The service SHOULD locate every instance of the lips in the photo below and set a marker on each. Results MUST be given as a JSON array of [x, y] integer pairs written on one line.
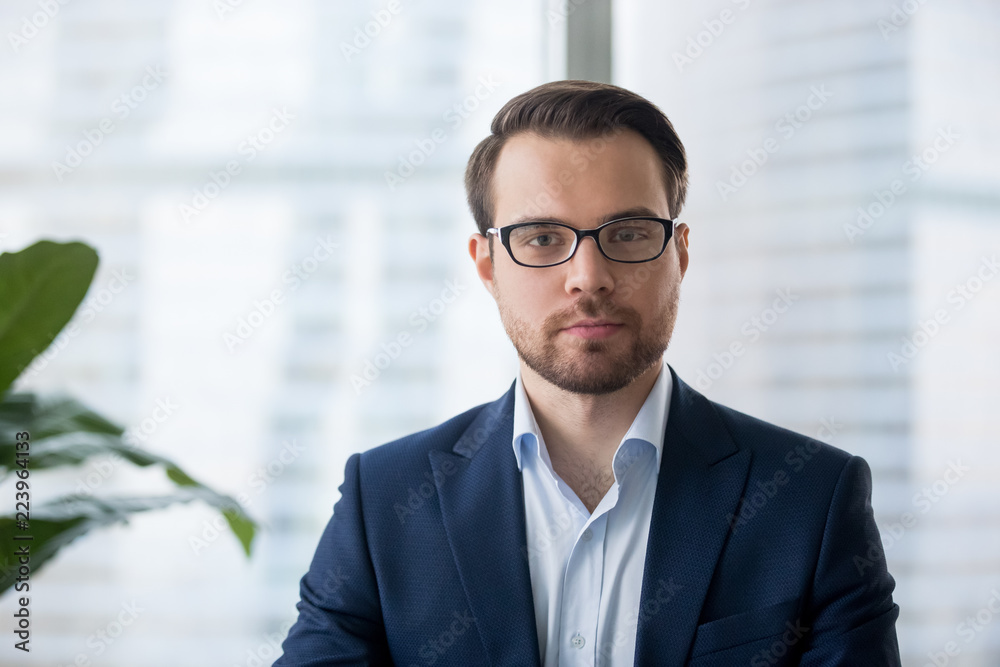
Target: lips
[[593, 328], [593, 323]]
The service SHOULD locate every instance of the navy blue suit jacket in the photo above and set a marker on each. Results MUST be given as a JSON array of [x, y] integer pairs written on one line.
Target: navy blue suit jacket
[[763, 550]]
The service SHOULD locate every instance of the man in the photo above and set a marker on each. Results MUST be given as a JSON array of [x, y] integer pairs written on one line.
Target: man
[[601, 512]]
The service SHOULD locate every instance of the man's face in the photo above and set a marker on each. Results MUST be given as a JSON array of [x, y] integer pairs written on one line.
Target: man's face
[[589, 325]]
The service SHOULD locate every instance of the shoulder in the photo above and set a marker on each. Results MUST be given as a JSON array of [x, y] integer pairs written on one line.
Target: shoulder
[[795, 473], [777, 455], [705, 423], [769, 441], [407, 456]]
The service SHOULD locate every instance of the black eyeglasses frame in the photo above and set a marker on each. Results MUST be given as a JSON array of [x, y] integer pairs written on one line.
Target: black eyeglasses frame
[[503, 233]]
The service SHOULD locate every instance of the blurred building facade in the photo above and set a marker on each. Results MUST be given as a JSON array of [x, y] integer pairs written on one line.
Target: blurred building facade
[[275, 190], [844, 211]]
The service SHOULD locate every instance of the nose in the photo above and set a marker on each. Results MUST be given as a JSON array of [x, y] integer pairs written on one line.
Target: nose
[[588, 270]]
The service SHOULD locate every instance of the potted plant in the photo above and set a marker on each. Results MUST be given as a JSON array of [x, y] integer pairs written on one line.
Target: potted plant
[[40, 290]]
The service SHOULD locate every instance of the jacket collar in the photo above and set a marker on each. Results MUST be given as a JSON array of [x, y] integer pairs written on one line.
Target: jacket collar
[[702, 475], [647, 426]]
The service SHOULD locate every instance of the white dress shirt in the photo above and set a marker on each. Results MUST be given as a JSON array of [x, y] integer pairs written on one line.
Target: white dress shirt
[[586, 569]]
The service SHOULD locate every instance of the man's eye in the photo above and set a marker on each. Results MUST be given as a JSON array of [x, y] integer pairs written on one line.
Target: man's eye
[[629, 235], [544, 240]]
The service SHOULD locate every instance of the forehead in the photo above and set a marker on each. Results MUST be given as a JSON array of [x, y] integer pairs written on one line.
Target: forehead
[[579, 181]]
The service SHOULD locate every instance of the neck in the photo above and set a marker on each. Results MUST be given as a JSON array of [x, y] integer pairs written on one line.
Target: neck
[[585, 426]]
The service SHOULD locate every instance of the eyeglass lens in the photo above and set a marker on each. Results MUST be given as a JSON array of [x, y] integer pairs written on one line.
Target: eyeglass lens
[[543, 243]]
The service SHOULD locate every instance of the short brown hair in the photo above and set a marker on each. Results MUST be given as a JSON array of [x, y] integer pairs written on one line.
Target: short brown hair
[[574, 110]]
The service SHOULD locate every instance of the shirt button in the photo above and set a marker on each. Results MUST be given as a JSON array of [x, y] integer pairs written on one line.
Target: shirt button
[[578, 641], [587, 534]]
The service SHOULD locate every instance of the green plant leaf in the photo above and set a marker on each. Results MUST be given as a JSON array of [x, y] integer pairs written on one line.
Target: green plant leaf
[[65, 432], [243, 528], [56, 524], [40, 289]]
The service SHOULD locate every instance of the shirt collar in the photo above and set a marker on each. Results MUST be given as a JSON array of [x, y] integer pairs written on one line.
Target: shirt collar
[[649, 424]]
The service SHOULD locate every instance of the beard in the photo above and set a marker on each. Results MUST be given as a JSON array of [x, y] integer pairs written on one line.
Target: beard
[[593, 366]]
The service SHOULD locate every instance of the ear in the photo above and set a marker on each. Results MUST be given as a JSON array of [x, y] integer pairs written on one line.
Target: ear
[[681, 243], [479, 250]]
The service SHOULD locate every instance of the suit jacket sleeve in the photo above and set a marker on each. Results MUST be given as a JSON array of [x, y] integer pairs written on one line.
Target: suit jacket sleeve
[[853, 616], [340, 616]]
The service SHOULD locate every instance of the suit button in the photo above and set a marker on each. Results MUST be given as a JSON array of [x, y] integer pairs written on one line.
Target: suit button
[[578, 641], [587, 534]]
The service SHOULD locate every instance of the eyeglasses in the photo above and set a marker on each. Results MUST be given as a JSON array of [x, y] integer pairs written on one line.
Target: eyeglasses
[[630, 240]]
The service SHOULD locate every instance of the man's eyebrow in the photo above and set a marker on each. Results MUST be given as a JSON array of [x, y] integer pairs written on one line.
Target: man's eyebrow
[[634, 211]]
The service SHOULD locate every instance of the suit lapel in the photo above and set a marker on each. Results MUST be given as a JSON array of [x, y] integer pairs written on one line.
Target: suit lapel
[[702, 476], [701, 479], [482, 506]]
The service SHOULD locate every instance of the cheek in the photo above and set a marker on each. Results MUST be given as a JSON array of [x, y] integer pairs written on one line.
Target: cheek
[[534, 305], [640, 285], [522, 296], [654, 294]]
